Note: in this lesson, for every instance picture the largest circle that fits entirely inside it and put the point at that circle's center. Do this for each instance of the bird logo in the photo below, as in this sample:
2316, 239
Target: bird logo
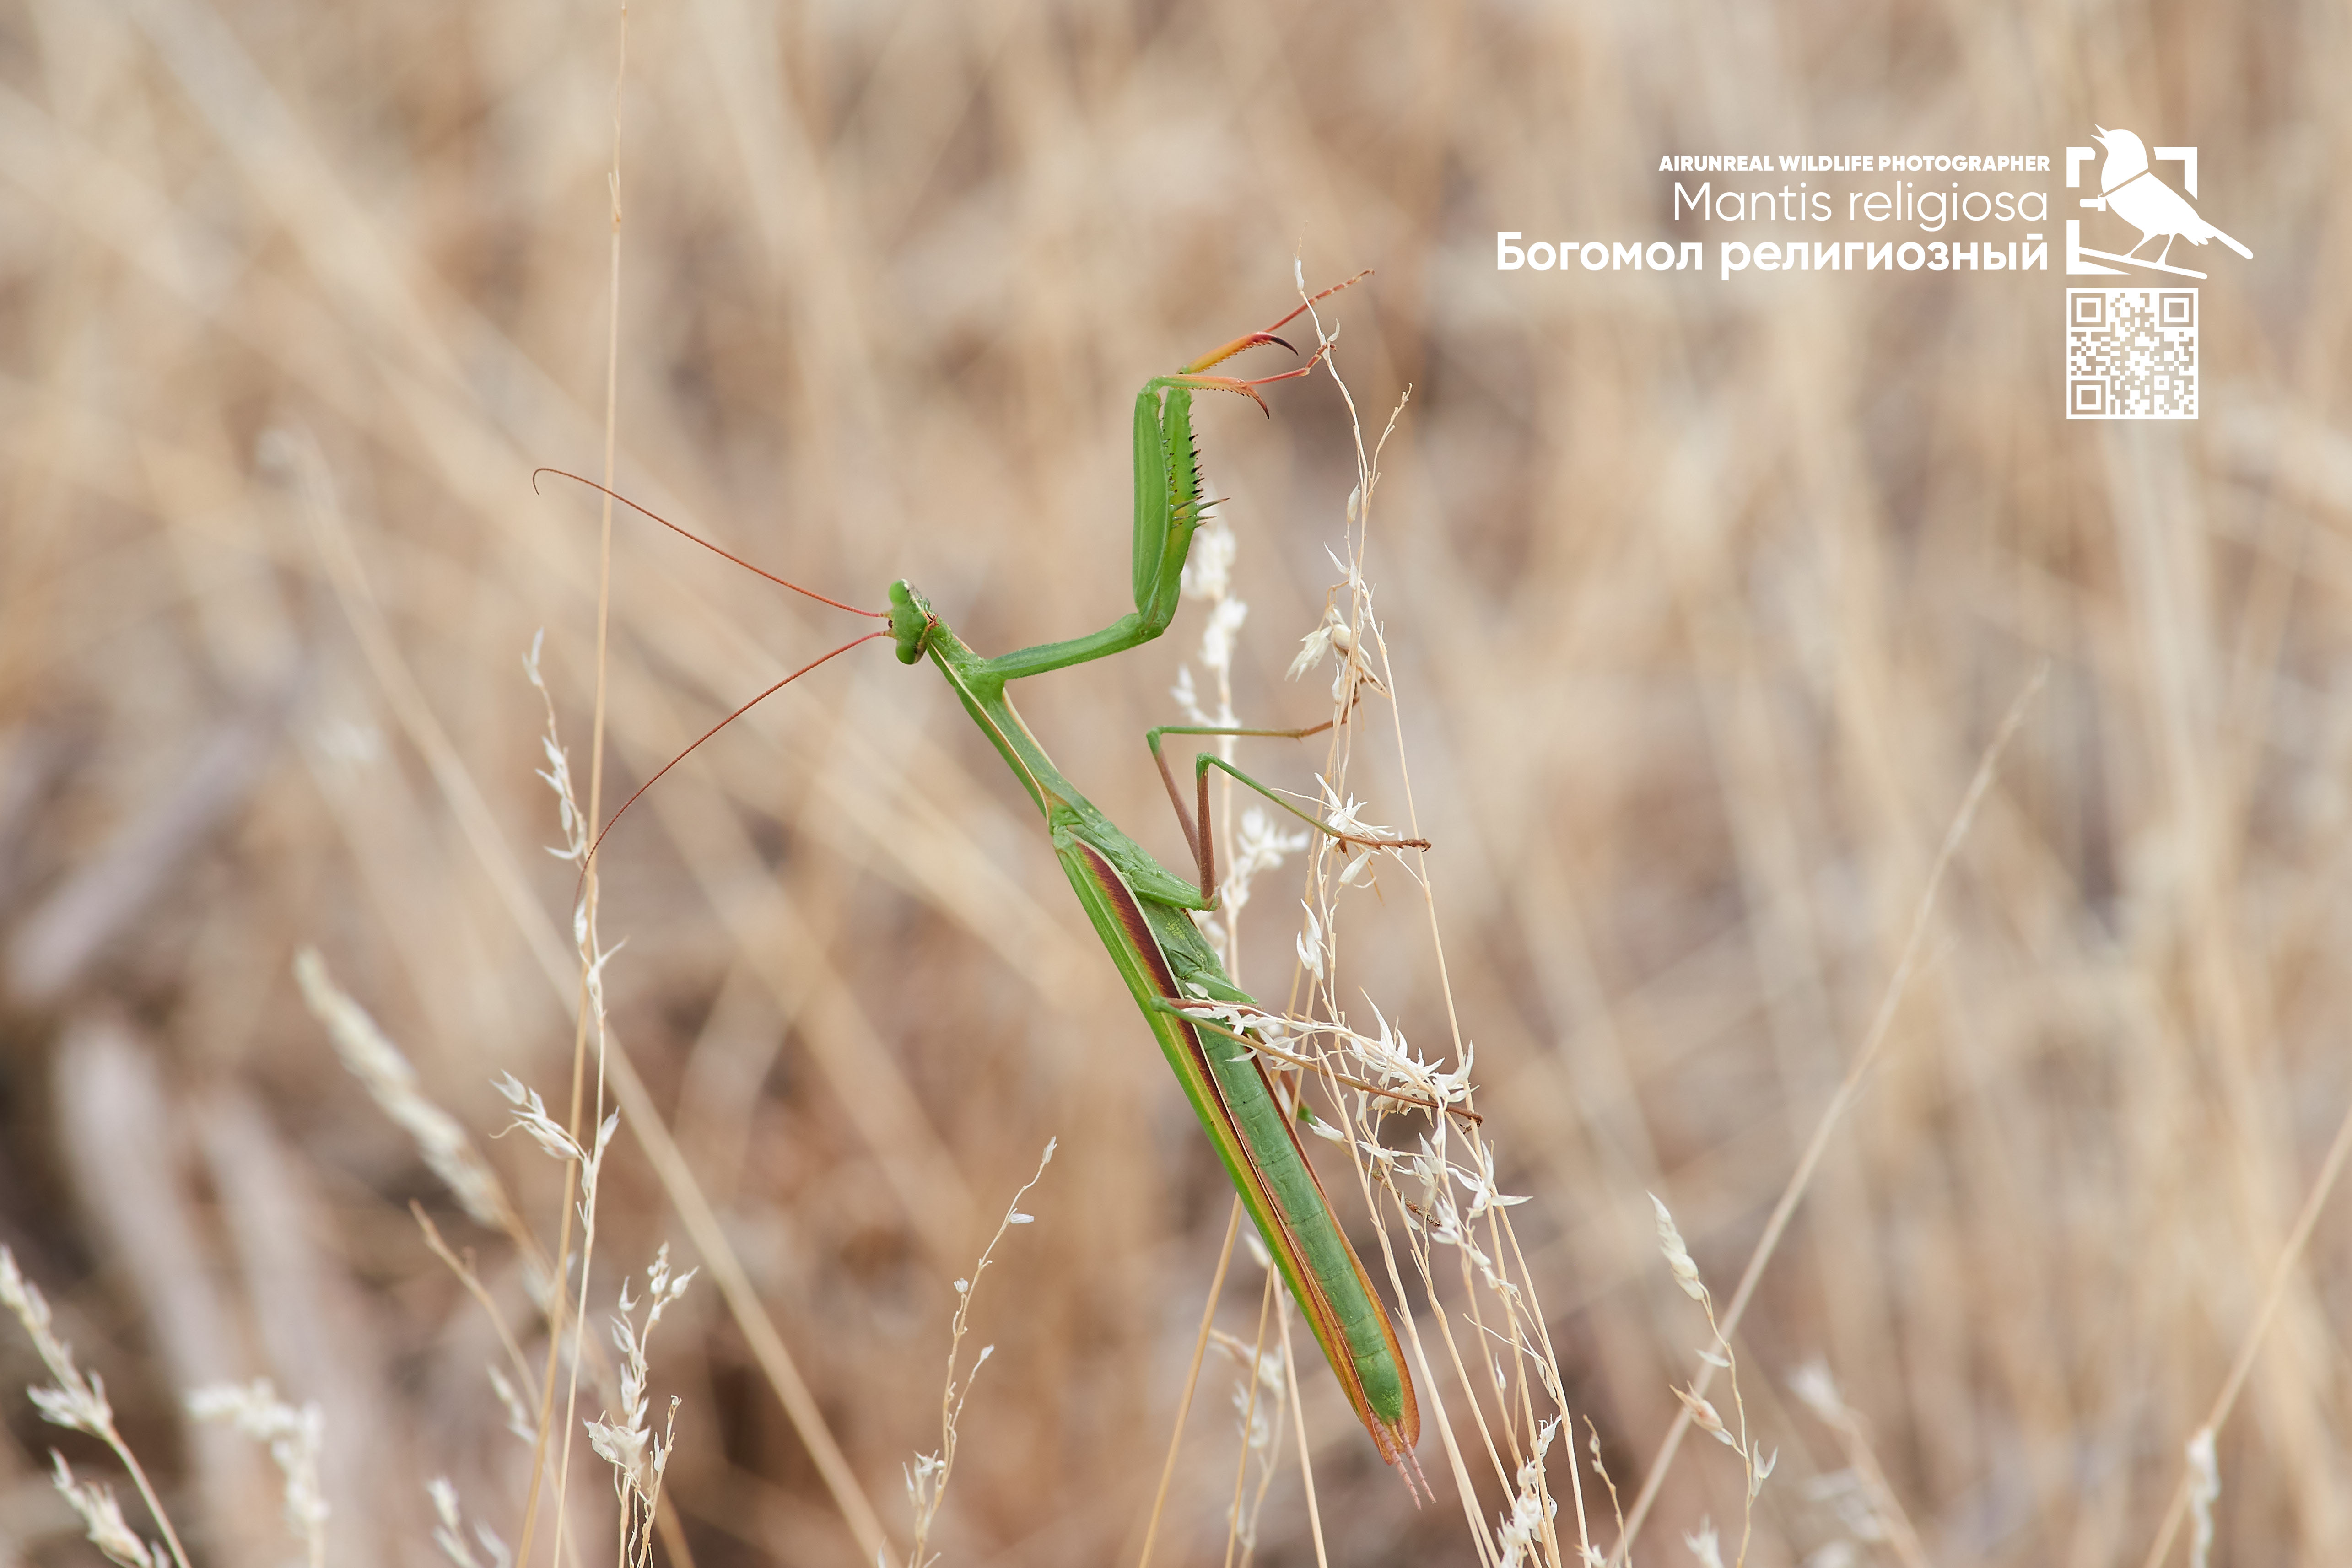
2130, 189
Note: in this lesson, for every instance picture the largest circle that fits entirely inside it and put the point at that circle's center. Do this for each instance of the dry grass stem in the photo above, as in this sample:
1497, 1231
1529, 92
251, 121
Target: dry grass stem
1848, 1089
77, 1401
927, 1478
1758, 1467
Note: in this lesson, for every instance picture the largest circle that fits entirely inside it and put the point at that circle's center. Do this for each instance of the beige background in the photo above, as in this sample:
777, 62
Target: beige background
1704, 600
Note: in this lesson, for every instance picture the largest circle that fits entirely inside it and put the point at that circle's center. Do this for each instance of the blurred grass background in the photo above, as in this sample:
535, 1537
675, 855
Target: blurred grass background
1705, 600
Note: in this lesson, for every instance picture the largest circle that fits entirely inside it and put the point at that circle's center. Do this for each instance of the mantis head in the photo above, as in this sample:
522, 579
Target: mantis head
911, 620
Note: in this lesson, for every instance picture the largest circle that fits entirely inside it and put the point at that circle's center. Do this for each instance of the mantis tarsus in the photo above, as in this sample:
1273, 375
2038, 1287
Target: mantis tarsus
1141, 910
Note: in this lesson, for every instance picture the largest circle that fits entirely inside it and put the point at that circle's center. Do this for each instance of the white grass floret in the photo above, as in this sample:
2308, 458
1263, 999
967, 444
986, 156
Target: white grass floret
1678, 1255
1209, 569
390, 1079
449, 1535
101, 1516
295, 1439
2204, 1491
1316, 645
628, 1443
1258, 1393
1479, 1182
1188, 700
530, 1116
927, 1478
509, 1398
1258, 847
577, 841
77, 1403
1520, 1537
1218, 637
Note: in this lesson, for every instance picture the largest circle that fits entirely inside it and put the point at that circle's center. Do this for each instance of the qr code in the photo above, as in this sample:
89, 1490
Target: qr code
2131, 353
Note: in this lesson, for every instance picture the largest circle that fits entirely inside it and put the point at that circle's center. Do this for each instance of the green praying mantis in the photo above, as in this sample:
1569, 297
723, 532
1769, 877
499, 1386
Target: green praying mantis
1142, 912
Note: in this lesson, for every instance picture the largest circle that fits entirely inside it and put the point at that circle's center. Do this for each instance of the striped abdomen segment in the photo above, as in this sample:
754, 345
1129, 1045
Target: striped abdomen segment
1256, 1139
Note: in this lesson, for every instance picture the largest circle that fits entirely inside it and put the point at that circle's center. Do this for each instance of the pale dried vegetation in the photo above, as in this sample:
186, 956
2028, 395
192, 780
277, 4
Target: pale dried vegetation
1700, 609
